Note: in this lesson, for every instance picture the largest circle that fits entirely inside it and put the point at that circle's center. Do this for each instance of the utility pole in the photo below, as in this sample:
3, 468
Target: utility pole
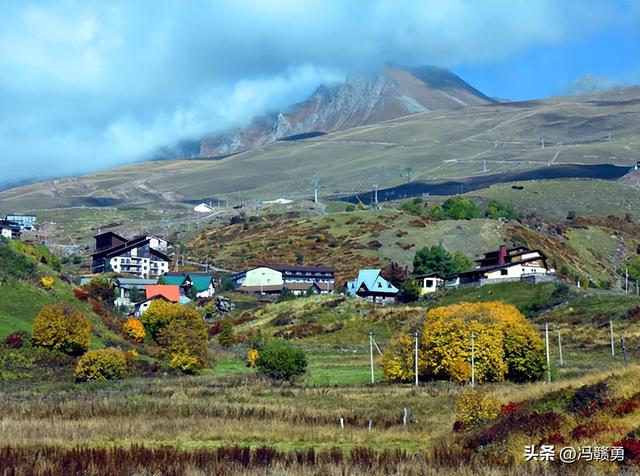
542, 142
484, 165
371, 356
416, 359
626, 280
613, 348
546, 339
316, 184
375, 194
473, 360
407, 173
560, 348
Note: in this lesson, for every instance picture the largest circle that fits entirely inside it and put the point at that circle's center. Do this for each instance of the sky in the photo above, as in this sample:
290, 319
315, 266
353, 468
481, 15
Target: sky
89, 85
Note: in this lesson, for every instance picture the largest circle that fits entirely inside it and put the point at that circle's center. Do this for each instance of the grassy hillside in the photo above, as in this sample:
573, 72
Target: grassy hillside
347, 241
553, 199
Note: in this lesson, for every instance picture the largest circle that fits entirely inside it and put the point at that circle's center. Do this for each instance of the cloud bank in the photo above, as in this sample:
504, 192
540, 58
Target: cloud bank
89, 85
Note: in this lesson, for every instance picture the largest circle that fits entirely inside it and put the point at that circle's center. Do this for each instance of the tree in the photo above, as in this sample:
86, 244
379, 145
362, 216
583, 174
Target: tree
227, 337
101, 289
415, 206
410, 291
101, 365
460, 208
180, 331
506, 346
496, 210
63, 328
461, 263
437, 260
279, 360
350, 208
437, 212
134, 328
135, 295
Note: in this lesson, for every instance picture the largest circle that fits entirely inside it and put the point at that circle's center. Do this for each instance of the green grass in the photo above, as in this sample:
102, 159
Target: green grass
528, 298
553, 199
19, 305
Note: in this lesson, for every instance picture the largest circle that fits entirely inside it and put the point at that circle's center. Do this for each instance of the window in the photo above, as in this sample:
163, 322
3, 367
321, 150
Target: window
429, 283
504, 272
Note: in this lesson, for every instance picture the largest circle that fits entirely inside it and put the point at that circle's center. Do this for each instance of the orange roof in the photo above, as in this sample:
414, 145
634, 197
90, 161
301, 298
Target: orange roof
169, 291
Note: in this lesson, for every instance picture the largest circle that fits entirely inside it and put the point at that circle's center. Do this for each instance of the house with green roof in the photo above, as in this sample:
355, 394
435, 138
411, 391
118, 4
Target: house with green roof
193, 283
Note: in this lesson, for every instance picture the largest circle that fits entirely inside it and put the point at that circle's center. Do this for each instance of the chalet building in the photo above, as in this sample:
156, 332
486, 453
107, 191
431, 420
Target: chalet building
275, 278
142, 256
372, 286
125, 289
506, 264
429, 283
25, 222
168, 292
202, 284
10, 230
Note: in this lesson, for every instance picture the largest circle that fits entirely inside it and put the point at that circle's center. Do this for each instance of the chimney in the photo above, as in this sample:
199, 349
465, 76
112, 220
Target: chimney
502, 254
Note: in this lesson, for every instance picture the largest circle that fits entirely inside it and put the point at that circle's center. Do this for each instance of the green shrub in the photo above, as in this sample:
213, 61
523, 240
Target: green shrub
460, 208
101, 365
437, 260
350, 208
63, 328
496, 210
279, 360
226, 337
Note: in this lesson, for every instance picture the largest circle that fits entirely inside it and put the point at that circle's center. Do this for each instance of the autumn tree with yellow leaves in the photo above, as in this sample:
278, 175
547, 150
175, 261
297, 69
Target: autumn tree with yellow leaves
506, 346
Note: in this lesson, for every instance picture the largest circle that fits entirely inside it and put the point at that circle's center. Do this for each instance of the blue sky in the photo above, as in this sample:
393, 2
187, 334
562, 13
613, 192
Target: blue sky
87, 85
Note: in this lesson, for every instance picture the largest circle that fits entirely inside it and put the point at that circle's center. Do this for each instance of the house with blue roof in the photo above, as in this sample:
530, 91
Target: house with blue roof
372, 286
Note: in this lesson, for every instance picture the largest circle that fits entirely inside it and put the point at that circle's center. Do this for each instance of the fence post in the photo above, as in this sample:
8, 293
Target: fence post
560, 347
371, 356
613, 347
405, 416
546, 340
341, 424
416, 360
624, 350
370, 425
473, 360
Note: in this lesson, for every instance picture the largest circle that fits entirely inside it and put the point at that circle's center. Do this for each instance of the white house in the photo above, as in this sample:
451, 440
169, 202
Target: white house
429, 283
274, 278
142, 256
506, 264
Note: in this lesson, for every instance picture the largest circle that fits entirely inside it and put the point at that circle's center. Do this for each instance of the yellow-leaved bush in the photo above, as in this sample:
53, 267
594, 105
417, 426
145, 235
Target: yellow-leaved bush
63, 328
47, 282
506, 346
252, 357
101, 365
134, 328
475, 407
181, 332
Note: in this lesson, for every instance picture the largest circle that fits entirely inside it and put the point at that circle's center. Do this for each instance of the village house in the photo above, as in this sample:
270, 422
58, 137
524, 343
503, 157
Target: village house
10, 230
125, 289
25, 222
143, 256
202, 285
275, 278
372, 286
429, 283
506, 264
168, 292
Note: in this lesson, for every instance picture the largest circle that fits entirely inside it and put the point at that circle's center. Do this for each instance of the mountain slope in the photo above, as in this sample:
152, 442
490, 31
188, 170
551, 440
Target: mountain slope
444, 144
393, 92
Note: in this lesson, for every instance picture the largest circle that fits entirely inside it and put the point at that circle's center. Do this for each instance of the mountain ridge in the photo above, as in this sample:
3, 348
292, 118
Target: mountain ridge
392, 92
